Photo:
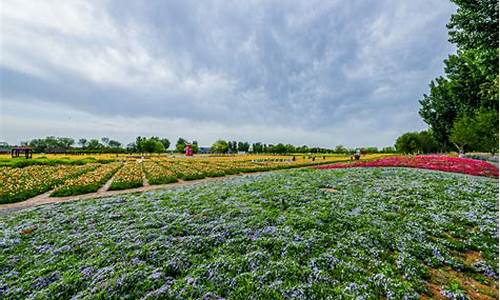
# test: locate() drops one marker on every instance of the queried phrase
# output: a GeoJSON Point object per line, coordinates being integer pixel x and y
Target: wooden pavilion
{"type": "Point", "coordinates": [17, 150]}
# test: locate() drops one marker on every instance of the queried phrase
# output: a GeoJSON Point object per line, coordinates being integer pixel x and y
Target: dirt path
{"type": "Point", "coordinates": [106, 186]}
{"type": "Point", "coordinates": [103, 192]}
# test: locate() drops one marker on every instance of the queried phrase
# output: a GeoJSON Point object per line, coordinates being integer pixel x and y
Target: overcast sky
{"type": "Point", "coordinates": [320, 72]}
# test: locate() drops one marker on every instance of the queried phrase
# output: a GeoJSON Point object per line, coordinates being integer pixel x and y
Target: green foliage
{"type": "Point", "coordinates": [475, 24]}
{"type": "Point", "coordinates": [341, 149]}
{"type": "Point", "coordinates": [388, 149]}
{"type": "Point", "coordinates": [470, 83]}
{"type": "Point", "coordinates": [194, 147]}
{"type": "Point", "coordinates": [243, 146]}
{"type": "Point", "coordinates": [51, 143]}
{"type": "Point", "coordinates": [150, 145]}
{"type": "Point", "coordinates": [416, 142]}
{"type": "Point", "coordinates": [165, 142]}
{"type": "Point", "coordinates": [180, 146]}
{"type": "Point", "coordinates": [476, 133]}
{"type": "Point", "coordinates": [219, 146]}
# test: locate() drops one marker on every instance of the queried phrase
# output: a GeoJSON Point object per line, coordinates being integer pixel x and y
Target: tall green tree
{"type": "Point", "coordinates": [165, 142]}
{"type": "Point", "coordinates": [219, 146]}
{"type": "Point", "coordinates": [180, 146]}
{"type": "Point", "coordinates": [470, 83]}
{"type": "Point", "coordinates": [476, 133]}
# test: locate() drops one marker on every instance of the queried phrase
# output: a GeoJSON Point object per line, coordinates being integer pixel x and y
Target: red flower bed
{"type": "Point", "coordinates": [431, 162]}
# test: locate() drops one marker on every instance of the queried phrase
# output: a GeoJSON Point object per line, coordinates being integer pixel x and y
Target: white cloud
{"type": "Point", "coordinates": [302, 71]}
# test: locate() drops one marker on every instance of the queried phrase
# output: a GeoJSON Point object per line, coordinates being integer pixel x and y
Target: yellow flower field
{"type": "Point", "coordinates": [157, 174]}
{"type": "Point", "coordinates": [129, 176]}
{"type": "Point", "coordinates": [17, 184]}
{"type": "Point", "coordinates": [87, 183]}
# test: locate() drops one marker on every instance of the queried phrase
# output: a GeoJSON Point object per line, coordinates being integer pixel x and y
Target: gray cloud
{"type": "Point", "coordinates": [283, 69]}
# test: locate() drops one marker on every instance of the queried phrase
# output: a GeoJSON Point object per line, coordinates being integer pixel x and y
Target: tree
{"type": "Point", "coordinates": [388, 149]}
{"type": "Point", "coordinates": [476, 133]}
{"type": "Point", "coordinates": [243, 146]}
{"type": "Point", "coordinates": [180, 146]}
{"type": "Point", "coordinates": [232, 146]}
{"type": "Point", "coordinates": [470, 83]}
{"type": "Point", "coordinates": [114, 144]}
{"type": "Point", "coordinates": [105, 141]}
{"type": "Point", "coordinates": [369, 150]}
{"type": "Point", "coordinates": [462, 133]}
{"type": "Point", "coordinates": [194, 147]}
{"type": "Point", "coordinates": [94, 144]}
{"type": "Point", "coordinates": [219, 146]}
{"type": "Point", "coordinates": [165, 142]}
{"type": "Point", "coordinates": [257, 148]}
{"type": "Point", "coordinates": [139, 143]}
{"type": "Point", "coordinates": [131, 148]}
{"type": "Point", "coordinates": [407, 143]}
{"type": "Point", "coordinates": [340, 149]}
{"type": "Point", "coordinates": [153, 145]}
{"type": "Point", "coordinates": [416, 142]}
{"type": "Point", "coordinates": [475, 24]}
{"type": "Point", "coordinates": [427, 143]}
{"type": "Point", "coordinates": [82, 142]}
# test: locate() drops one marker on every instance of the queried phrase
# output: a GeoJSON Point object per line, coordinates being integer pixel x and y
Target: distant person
{"type": "Point", "coordinates": [357, 155]}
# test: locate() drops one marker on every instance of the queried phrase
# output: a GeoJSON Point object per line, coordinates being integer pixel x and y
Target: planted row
{"type": "Point", "coordinates": [157, 174]}
{"type": "Point", "coordinates": [128, 177]}
{"type": "Point", "coordinates": [87, 183]}
{"type": "Point", "coordinates": [17, 184]}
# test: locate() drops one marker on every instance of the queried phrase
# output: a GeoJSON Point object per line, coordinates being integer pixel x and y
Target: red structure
{"type": "Point", "coordinates": [16, 151]}
{"type": "Point", "coordinates": [189, 150]}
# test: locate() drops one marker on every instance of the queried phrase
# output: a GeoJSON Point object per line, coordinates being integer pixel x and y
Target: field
{"type": "Point", "coordinates": [21, 179]}
{"type": "Point", "coordinates": [371, 233]}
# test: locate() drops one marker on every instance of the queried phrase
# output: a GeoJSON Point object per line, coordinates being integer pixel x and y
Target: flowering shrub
{"type": "Point", "coordinates": [431, 162]}
{"type": "Point", "coordinates": [87, 183]}
{"type": "Point", "coordinates": [301, 234]}
{"type": "Point", "coordinates": [129, 176]}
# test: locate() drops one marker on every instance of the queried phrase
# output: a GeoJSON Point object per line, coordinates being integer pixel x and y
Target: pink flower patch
{"type": "Point", "coordinates": [431, 162]}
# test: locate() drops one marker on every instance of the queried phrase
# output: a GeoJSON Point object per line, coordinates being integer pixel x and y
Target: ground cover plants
{"type": "Point", "coordinates": [431, 162]}
{"type": "Point", "coordinates": [393, 233]}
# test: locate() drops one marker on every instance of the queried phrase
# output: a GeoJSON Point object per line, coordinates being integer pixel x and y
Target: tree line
{"type": "Point", "coordinates": [156, 144]}
{"type": "Point", "coordinates": [461, 108]}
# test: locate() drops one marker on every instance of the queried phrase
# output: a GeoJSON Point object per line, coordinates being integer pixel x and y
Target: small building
{"type": "Point", "coordinates": [25, 150]}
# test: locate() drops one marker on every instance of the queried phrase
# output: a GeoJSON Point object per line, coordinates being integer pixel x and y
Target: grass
{"type": "Point", "coordinates": [371, 233]}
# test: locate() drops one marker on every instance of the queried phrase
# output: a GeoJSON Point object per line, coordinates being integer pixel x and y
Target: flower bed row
{"type": "Point", "coordinates": [17, 184]}
{"type": "Point", "coordinates": [87, 183]}
{"type": "Point", "coordinates": [128, 177]}
{"type": "Point", "coordinates": [431, 162]}
{"type": "Point", "coordinates": [157, 174]}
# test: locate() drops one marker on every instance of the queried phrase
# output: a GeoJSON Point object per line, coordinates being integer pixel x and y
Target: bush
{"type": "Point", "coordinates": [416, 142]}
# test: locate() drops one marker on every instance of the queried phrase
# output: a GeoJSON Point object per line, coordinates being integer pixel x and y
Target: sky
{"type": "Point", "coordinates": [320, 73]}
